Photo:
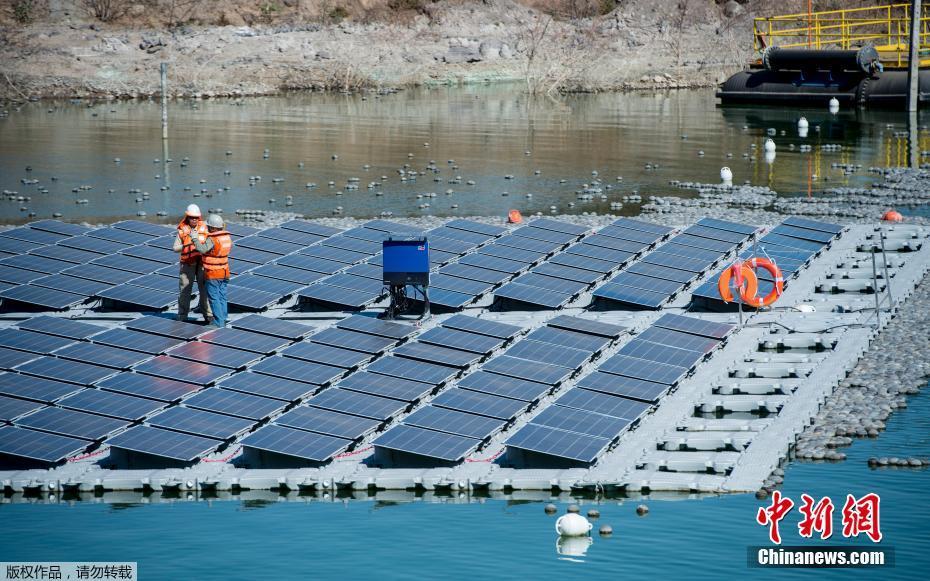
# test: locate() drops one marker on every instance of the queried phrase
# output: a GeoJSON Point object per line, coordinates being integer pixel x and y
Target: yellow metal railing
{"type": "Point", "coordinates": [888, 28]}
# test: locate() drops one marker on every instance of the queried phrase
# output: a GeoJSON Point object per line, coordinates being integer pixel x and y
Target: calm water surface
{"type": "Point", "coordinates": [453, 539]}
{"type": "Point", "coordinates": [487, 131]}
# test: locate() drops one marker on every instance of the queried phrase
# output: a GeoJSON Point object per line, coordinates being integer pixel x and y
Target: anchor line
{"type": "Point", "coordinates": [491, 459]}
{"type": "Point", "coordinates": [352, 453]}
{"type": "Point", "coordinates": [88, 455]}
{"type": "Point", "coordinates": [224, 458]}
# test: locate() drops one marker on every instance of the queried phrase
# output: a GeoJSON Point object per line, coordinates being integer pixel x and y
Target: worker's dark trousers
{"type": "Point", "coordinates": [216, 294]}
{"type": "Point", "coordinates": [190, 273]}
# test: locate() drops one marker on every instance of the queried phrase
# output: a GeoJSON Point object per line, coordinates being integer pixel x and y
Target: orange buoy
{"type": "Point", "coordinates": [514, 217]}
{"type": "Point", "coordinates": [779, 288]}
{"type": "Point", "coordinates": [892, 216]}
{"type": "Point", "coordinates": [744, 278]}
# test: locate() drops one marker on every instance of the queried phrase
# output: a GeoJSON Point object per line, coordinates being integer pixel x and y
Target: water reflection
{"type": "Point", "coordinates": [572, 547]}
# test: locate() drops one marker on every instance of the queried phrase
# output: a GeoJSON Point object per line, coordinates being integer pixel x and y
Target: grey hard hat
{"type": "Point", "coordinates": [215, 221]}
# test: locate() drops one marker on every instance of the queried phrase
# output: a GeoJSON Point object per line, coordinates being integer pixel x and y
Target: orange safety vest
{"type": "Point", "coordinates": [216, 262]}
{"type": "Point", "coordinates": [189, 254]}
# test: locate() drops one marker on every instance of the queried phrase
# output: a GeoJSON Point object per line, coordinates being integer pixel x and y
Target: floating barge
{"type": "Point", "coordinates": [583, 361]}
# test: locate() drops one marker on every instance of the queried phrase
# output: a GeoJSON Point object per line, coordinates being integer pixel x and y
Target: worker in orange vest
{"type": "Point", "coordinates": [190, 228]}
{"type": "Point", "coordinates": [214, 252]}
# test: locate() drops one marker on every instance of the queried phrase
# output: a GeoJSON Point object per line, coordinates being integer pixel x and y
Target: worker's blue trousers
{"type": "Point", "coordinates": [216, 294]}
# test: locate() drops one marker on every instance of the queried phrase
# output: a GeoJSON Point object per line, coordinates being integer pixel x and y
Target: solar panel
{"type": "Point", "coordinates": [459, 234]}
{"type": "Point", "coordinates": [581, 422]}
{"type": "Point", "coordinates": [71, 284]}
{"type": "Point", "coordinates": [622, 240]}
{"type": "Point", "coordinates": [346, 339]}
{"type": "Point", "coordinates": [559, 443]}
{"type": "Point", "coordinates": [200, 423]}
{"type": "Point", "coordinates": [658, 285]}
{"type": "Point", "coordinates": [557, 226]}
{"type": "Point", "coordinates": [726, 225]}
{"type": "Point", "coordinates": [142, 227]}
{"type": "Point", "coordinates": [268, 386]}
{"type": "Point", "coordinates": [813, 225]}
{"type": "Point", "coordinates": [788, 241]}
{"type": "Point", "coordinates": [298, 443]}
{"type": "Point", "coordinates": [461, 340]}
{"type": "Point", "coordinates": [290, 368]}
{"type": "Point", "coordinates": [327, 422]}
{"type": "Point", "coordinates": [234, 403]}
{"type": "Point", "coordinates": [33, 235]}
{"type": "Point", "coordinates": [90, 244]}
{"type": "Point", "coordinates": [326, 354]}
{"type": "Point", "coordinates": [541, 247]}
{"type": "Point", "coordinates": [34, 262]}
{"type": "Point", "coordinates": [136, 341]}
{"type": "Point", "coordinates": [273, 327]}
{"type": "Point", "coordinates": [365, 270]}
{"type": "Point", "coordinates": [42, 297]}
{"type": "Point", "coordinates": [643, 349]}
{"type": "Point", "coordinates": [59, 227]}
{"type": "Point", "coordinates": [436, 354]}
{"type": "Point", "coordinates": [152, 253]}
{"type": "Point", "coordinates": [128, 263]}
{"type": "Point", "coordinates": [166, 242]}
{"type": "Point", "coordinates": [719, 234]}
{"type": "Point", "coordinates": [660, 258]}
{"type": "Point", "coordinates": [461, 285]}
{"type": "Point", "coordinates": [358, 404]}
{"type": "Point", "coordinates": [478, 227]}
{"type": "Point", "coordinates": [558, 285]}
{"type": "Point", "coordinates": [386, 386]}
{"type": "Point", "coordinates": [444, 298]}
{"type": "Point", "coordinates": [502, 385]}
{"type": "Point", "coordinates": [804, 233]}
{"type": "Point", "coordinates": [40, 446]}
{"type": "Point", "coordinates": [354, 244]}
{"type": "Point", "coordinates": [65, 370]}
{"type": "Point", "coordinates": [642, 369]}
{"type": "Point", "coordinates": [415, 370]}
{"type": "Point", "coordinates": [147, 298]}
{"type": "Point", "coordinates": [240, 230]}
{"type": "Point", "coordinates": [484, 404]}
{"type": "Point", "coordinates": [583, 262]}
{"type": "Point", "coordinates": [374, 326]}
{"type": "Point", "coordinates": [214, 354]}
{"type": "Point", "coordinates": [475, 273]}
{"type": "Point", "coordinates": [630, 295]}
{"type": "Point", "coordinates": [454, 422]}
{"type": "Point", "coordinates": [115, 405]}
{"type": "Point", "coordinates": [524, 369]}
{"type": "Point", "coordinates": [167, 327]}
{"type": "Point", "coordinates": [160, 282]}
{"type": "Point", "coordinates": [245, 340]}
{"type": "Point", "coordinates": [337, 254]}
{"type": "Point", "coordinates": [532, 295]}
{"type": "Point", "coordinates": [588, 326]}
{"type": "Point", "coordinates": [481, 326]}
{"type": "Point", "coordinates": [72, 423]}
{"type": "Point", "coordinates": [429, 443]}
{"type": "Point", "coordinates": [694, 326]}
{"type": "Point", "coordinates": [163, 443]}
{"type": "Point", "coordinates": [103, 355]}
{"type": "Point", "coordinates": [182, 370]}
{"type": "Point", "coordinates": [696, 247]}
{"type": "Point", "coordinates": [35, 388]}
{"type": "Point", "coordinates": [311, 263]}
{"type": "Point", "coordinates": [31, 341]}
{"type": "Point", "coordinates": [619, 385]}
{"type": "Point", "coordinates": [336, 297]}
{"type": "Point", "coordinates": [250, 299]}
{"type": "Point", "coordinates": [555, 336]}
{"type": "Point", "coordinates": [275, 246]}
{"type": "Point", "coordinates": [363, 233]}
{"type": "Point", "coordinates": [100, 273]}
{"type": "Point", "coordinates": [10, 358]}
{"type": "Point", "coordinates": [63, 254]}
{"type": "Point", "coordinates": [511, 253]}
{"type": "Point", "coordinates": [18, 275]}
{"type": "Point", "coordinates": [251, 255]}
{"type": "Point", "coordinates": [549, 353]}
{"type": "Point", "coordinates": [551, 236]}
{"type": "Point", "coordinates": [358, 283]}
{"type": "Point", "coordinates": [310, 228]}
{"type": "Point", "coordinates": [662, 272]}
{"type": "Point", "coordinates": [616, 257]}
{"type": "Point", "coordinates": [288, 273]}
{"type": "Point", "coordinates": [679, 339]}
{"type": "Point", "coordinates": [608, 405]}
{"type": "Point", "coordinates": [493, 263]}
{"type": "Point", "coordinates": [12, 408]}
{"type": "Point", "coordinates": [585, 277]}
{"type": "Point", "coordinates": [159, 388]}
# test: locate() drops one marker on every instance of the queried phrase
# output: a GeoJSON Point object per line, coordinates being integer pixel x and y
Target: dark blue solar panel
{"type": "Point", "coordinates": [159, 282]}
{"type": "Point", "coordinates": [642, 369]}
{"type": "Point", "coordinates": [454, 422]}
{"type": "Point", "coordinates": [580, 421]}
{"type": "Point", "coordinates": [336, 297]}
{"type": "Point", "coordinates": [52, 448]}
{"type": "Point", "coordinates": [17, 275]}
{"type": "Point", "coordinates": [429, 443]}
{"type": "Point", "coordinates": [524, 369]}
{"type": "Point", "coordinates": [719, 234]}
{"type": "Point", "coordinates": [108, 403]}
{"type": "Point", "coordinates": [163, 443]}
{"type": "Point", "coordinates": [59, 227]}
{"type": "Point", "coordinates": [462, 285]}
{"type": "Point", "coordinates": [415, 370]}
{"type": "Point", "coordinates": [60, 326]}
{"type": "Point", "coordinates": [328, 422]}
{"type": "Point", "coordinates": [358, 404]}
{"type": "Point", "coordinates": [589, 326]}
{"type": "Point", "coordinates": [504, 386]}
{"type": "Point", "coordinates": [128, 263]}
{"type": "Point", "coordinates": [660, 258]}
{"type": "Point", "coordinates": [182, 370]}
{"type": "Point", "coordinates": [10, 358]}
{"type": "Point", "coordinates": [658, 285]}
{"type": "Point", "coordinates": [511, 253]}
{"type": "Point", "coordinates": [274, 246]}
{"type": "Point", "coordinates": [31, 341]}
{"type": "Point", "coordinates": [297, 443]}
{"type": "Point", "coordinates": [559, 443]}
{"type": "Point", "coordinates": [803, 233]}
{"type": "Point", "coordinates": [234, 403]}
{"type": "Point", "coordinates": [695, 247]}
{"type": "Point", "coordinates": [481, 326]}
{"type": "Point", "coordinates": [34, 262]}
{"type": "Point", "coordinates": [386, 386]}
{"type": "Point", "coordinates": [147, 298]}
{"type": "Point", "coordinates": [475, 273]}
{"type": "Point", "coordinates": [436, 354]}
{"type": "Point", "coordinates": [47, 298]}
{"type": "Point", "coordinates": [584, 262]}
{"type": "Point", "coordinates": [65, 370]}
{"type": "Point", "coordinates": [694, 326]}
{"type": "Point", "coordinates": [103, 355]}
{"type": "Point", "coordinates": [298, 370]}
{"type": "Point", "coordinates": [363, 342]}
{"type": "Point", "coordinates": [459, 234]}
{"type": "Point", "coordinates": [310, 228]}
{"type": "Point", "coordinates": [11, 408]}
{"type": "Point", "coordinates": [813, 224]}
{"type": "Point", "coordinates": [545, 235]}
{"type": "Point", "coordinates": [142, 227]}
{"type": "Point", "coordinates": [250, 299]}
{"type": "Point", "coordinates": [152, 253]}
{"type": "Point", "coordinates": [72, 284]}
{"type": "Point", "coordinates": [15, 246]}
{"type": "Point", "coordinates": [493, 263]}
{"type": "Point", "coordinates": [558, 285]}
{"type": "Point", "coordinates": [583, 341]}
{"type": "Point", "coordinates": [366, 270]}
{"type": "Point", "coordinates": [158, 388]}
{"type": "Point", "coordinates": [90, 244]}
{"type": "Point", "coordinates": [268, 386]}
{"type": "Point", "coordinates": [214, 354]}
{"type": "Point", "coordinates": [252, 255]}
{"type": "Point", "coordinates": [64, 254]}
{"type": "Point", "coordinates": [531, 295]}
{"type": "Point", "coordinates": [485, 404]}
{"type": "Point", "coordinates": [608, 405]}
{"type": "Point", "coordinates": [462, 340]}
{"type": "Point", "coordinates": [615, 257]}
{"type": "Point", "coordinates": [100, 273]}
{"type": "Point", "coordinates": [643, 349]}
{"type": "Point", "coordinates": [726, 225]}
{"type": "Point", "coordinates": [167, 327]}
{"type": "Point", "coordinates": [628, 387]}
{"type": "Point", "coordinates": [631, 296]}
{"type": "Point", "coordinates": [337, 254]}
{"type": "Point", "coordinates": [444, 298]}
{"type": "Point", "coordinates": [623, 240]}
{"type": "Point", "coordinates": [790, 242]}
{"type": "Point", "coordinates": [200, 423]}
{"type": "Point", "coordinates": [33, 235]}
{"type": "Point", "coordinates": [679, 339]}
{"type": "Point", "coordinates": [136, 341]}
{"type": "Point", "coordinates": [662, 272]}
{"type": "Point", "coordinates": [549, 353]}
{"type": "Point", "coordinates": [275, 327]}
{"type": "Point", "coordinates": [310, 263]}
{"type": "Point", "coordinates": [478, 227]}
{"type": "Point", "coordinates": [35, 388]}
{"type": "Point", "coordinates": [354, 244]}
{"type": "Point", "coordinates": [288, 273]}
{"type": "Point", "coordinates": [358, 283]}
{"type": "Point", "coordinates": [245, 340]}
{"type": "Point", "coordinates": [558, 226]}
{"type": "Point", "coordinates": [72, 423]}
{"type": "Point", "coordinates": [374, 326]}
{"type": "Point", "coordinates": [578, 275]}
{"type": "Point", "coordinates": [326, 354]}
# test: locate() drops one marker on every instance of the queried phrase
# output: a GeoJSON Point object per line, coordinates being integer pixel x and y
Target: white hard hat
{"type": "Point", "coordinates": [215, 221]}
{"type": "Point", "coordinates": [193, 211]}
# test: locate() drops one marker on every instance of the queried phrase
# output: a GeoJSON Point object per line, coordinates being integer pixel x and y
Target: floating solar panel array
{"type": "Point", "coordinates": [581, 424]}
{"type": "Point", "coordinates": [553, 284]}
{"type": "Point", "coordinates": [361, 284]}
{"type": "Point", "coordinates": [791, 245]}
{"type": "Point", "coordinates": [461, 419]}
{"type": "Point", "coordinates": [662, 273]}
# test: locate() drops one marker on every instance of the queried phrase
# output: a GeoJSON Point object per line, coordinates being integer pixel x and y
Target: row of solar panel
{"type": "Point", "coordinates": [791, 245]}
{"type": "Point", "coordinates": [662, 273]}
{"type": "Point", "coordinates": [459, 420]}
{"type": "Point", "coordinates": [362, 402]}
{"type": "Point", "coordinates": [553, 284]}
{"type": "Point", "coordinates": [581, 424]}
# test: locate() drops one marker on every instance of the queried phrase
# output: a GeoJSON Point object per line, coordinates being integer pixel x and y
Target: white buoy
{"type": "Point", "coordinates": [802, 132]}
{"type": "Point", "coordinates": [726, 174]}
{"type": "Point", "coordinates": [769, 157]}
{"type": "Point", "coordinates": [769, 145]}
{"type": "Point", "coordinates": [802, 123]}
{"type": "Point", "coordinates": [572, 525]}
{"type": "Point", "coordinates": [834, 105]}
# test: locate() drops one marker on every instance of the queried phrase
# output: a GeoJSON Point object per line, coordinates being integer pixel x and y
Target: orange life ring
{"type": "Point", "coordinates": [746, 281]}
{"type": "Point", "coordinates": [752, 299]}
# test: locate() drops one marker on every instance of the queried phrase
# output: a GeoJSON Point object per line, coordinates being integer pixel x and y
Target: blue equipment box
{"type": "Point", "coordinates": [406, 260]}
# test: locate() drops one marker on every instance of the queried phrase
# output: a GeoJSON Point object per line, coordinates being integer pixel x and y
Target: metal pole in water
{"type": "Point", "coordinates": [913, 140]}
{"type": "Point", "coordinates": [913, 63]}
{"type": "Point", "coordinates": [885, 267]}
{"type": "Point", "coordinates": [878, 315]}
{"type": "Point", "coordinates": [164, 100]}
